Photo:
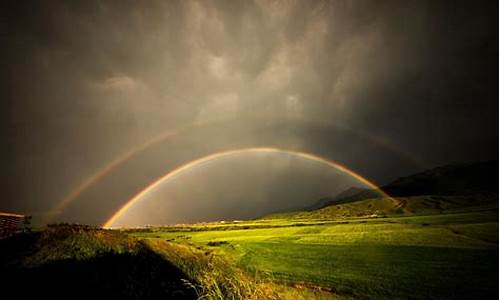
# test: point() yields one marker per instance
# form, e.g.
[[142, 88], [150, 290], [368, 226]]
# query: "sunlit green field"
[[451, 255]]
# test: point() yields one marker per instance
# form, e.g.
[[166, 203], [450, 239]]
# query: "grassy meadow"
[[451, 254], [429, 247]]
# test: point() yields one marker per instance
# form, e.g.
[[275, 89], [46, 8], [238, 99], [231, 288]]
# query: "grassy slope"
[[416, 205], [86, 263], [449, 255], [219, 277]]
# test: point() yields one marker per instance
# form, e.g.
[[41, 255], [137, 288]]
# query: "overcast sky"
[[386, 88]]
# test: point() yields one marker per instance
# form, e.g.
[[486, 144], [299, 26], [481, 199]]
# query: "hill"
[[352, 194], [404, 206], [459, 179], [343, 197]]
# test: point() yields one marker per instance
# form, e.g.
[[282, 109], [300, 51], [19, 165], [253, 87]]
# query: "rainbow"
[[128, 155], [215, 156]]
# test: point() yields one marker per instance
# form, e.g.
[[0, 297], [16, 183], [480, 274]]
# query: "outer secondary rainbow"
[[120, 160]]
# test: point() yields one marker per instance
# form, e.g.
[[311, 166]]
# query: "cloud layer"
[[390, 83]]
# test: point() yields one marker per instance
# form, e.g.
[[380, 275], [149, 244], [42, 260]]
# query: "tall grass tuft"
[[212, 276]]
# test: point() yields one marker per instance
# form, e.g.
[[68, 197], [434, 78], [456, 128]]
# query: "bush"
[[217, 243]]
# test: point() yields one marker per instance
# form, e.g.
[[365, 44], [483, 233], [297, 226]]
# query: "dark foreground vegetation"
[[81, 262], [67, 262]]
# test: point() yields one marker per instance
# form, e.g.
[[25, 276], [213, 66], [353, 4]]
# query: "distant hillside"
[[414, 205], [349, 195], [382, 207], [460, 179]]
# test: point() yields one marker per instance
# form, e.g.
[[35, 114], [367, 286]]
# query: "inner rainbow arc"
[[200, 161]]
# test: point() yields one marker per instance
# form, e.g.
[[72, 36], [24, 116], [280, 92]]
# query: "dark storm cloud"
[[83, 81]]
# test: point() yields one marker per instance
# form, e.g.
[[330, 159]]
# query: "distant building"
[[12, 223]]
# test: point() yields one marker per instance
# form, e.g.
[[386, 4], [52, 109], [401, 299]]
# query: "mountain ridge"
[[448, 180]]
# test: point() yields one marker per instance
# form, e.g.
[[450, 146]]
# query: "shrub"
[[217, 243]]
